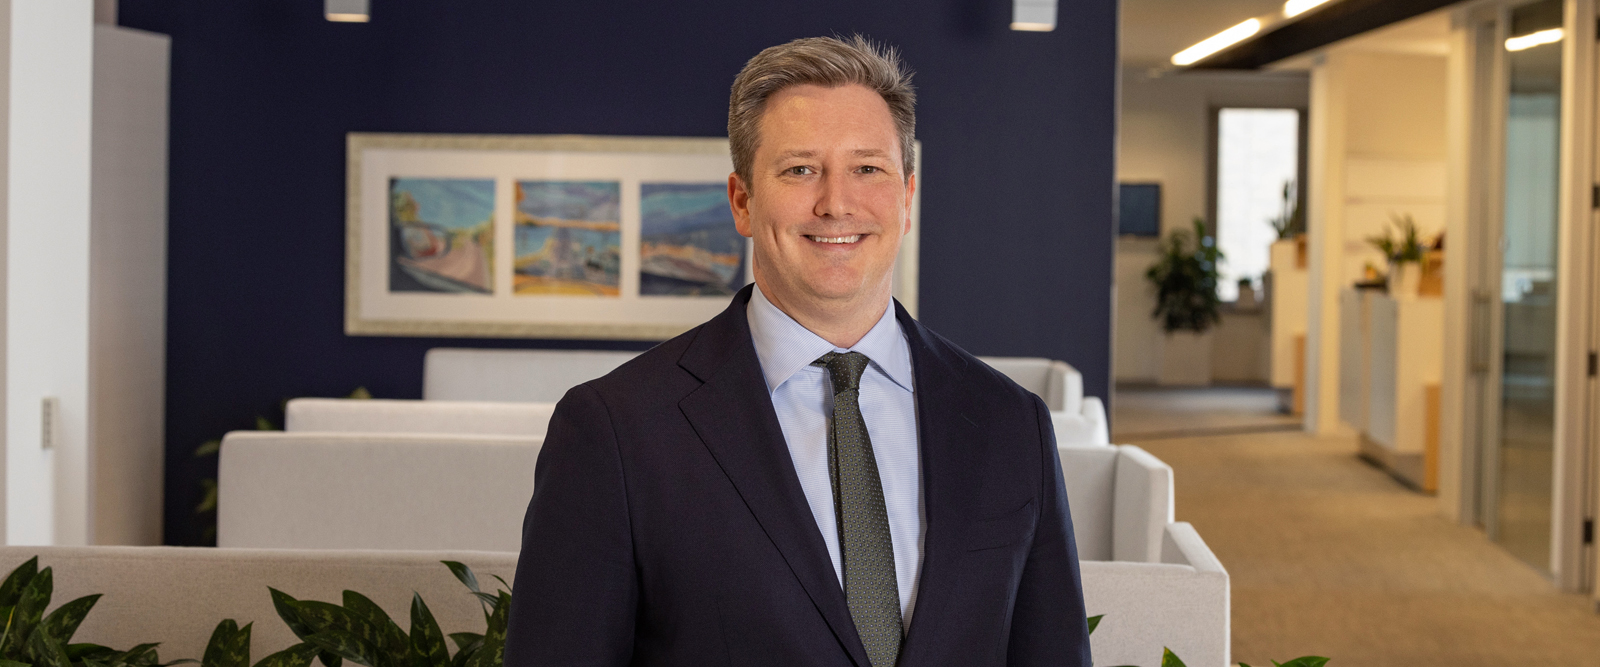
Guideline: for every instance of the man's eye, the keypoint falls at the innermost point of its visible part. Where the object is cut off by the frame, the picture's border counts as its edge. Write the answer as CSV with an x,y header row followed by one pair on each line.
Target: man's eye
x,y
869,169
799,171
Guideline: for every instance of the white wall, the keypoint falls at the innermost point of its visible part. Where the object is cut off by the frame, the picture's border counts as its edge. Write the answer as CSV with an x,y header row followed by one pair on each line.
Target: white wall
x,y
1165,137
47,267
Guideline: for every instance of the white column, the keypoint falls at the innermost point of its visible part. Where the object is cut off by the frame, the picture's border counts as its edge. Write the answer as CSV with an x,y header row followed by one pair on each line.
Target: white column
x,y
1325,244
46,273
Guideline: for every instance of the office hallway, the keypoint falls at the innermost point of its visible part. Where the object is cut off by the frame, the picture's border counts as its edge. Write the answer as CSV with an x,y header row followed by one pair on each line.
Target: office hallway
x,y
1330,556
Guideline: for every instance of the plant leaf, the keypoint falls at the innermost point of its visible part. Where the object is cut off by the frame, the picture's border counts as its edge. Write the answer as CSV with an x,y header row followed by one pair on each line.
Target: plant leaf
x,y
332,618
208,503
229,646
502,582
64,621
1306,661
96,652
1094,622
47,650
391,638
264,424
11,589
1170,659
360,393
463,573
208,448
465,639
13,663
142,654
493,653
428,648
284,604
299,655
26,616
348,646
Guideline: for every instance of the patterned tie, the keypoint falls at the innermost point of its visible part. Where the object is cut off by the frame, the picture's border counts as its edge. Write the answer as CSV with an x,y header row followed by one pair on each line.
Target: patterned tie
x,y
864,543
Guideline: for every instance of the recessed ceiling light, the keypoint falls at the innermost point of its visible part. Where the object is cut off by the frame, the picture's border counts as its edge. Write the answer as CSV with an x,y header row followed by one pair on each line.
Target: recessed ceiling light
x,y
1033,15
1217,42
1531,40
346,11
1294,8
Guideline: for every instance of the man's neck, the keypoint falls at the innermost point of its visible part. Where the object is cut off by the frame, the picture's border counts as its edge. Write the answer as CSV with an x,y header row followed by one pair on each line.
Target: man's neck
x,y
842,323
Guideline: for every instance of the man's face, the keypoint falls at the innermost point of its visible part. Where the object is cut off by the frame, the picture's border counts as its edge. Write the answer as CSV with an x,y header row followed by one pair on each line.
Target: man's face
x,y
829,200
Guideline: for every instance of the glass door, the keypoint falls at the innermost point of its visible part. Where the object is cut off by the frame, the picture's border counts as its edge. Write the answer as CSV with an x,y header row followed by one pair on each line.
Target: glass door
x,y
1519,392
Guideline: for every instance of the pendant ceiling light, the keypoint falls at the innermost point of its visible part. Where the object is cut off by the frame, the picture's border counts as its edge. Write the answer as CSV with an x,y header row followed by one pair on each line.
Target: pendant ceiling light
x,y
346,11
1033,15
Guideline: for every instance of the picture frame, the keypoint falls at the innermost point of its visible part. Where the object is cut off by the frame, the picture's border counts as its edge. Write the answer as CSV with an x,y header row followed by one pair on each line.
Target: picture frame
x,y
546,236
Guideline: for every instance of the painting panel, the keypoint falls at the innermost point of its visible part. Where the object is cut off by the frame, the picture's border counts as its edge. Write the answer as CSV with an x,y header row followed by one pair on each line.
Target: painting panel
x,y
688,244
569,238
441,235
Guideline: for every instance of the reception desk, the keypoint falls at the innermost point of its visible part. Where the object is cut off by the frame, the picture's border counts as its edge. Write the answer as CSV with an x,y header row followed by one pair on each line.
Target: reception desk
x,y
1391,359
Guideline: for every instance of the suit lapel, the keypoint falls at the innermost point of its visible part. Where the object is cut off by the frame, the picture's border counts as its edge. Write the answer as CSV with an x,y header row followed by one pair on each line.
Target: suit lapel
x,y
733,415
951,463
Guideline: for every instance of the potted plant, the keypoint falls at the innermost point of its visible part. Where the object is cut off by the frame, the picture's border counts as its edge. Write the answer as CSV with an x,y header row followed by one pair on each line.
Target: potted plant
x,y
1185,279
1403,253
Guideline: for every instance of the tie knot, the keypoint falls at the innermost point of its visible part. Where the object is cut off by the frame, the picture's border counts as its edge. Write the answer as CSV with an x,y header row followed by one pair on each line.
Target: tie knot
x,y
844,369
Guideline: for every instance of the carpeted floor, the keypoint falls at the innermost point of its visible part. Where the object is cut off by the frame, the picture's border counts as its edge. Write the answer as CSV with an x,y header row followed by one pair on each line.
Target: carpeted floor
x,y
1330,556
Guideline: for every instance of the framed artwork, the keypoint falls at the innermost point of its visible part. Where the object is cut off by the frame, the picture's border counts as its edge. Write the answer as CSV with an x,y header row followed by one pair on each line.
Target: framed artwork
x,y
546,236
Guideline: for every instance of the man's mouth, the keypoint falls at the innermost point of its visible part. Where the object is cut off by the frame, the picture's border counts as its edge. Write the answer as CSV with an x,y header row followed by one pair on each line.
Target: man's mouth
x,y
835,239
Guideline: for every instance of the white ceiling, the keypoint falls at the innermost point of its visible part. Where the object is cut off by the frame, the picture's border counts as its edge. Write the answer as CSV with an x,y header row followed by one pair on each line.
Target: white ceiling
x,y
1153,30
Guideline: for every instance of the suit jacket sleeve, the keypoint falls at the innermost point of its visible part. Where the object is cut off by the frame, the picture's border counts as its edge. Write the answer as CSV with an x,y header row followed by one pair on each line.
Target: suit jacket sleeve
x,y
576,589
1048,625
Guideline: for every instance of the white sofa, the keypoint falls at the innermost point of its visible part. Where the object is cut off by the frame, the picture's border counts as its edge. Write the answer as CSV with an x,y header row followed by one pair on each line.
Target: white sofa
x,y
544,376
1155,580
345,415
311,490
177,595
535,376
1180,602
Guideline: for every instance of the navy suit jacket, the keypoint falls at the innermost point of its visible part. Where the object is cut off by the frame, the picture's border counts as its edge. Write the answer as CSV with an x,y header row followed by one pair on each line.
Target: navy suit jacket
x,y
668,526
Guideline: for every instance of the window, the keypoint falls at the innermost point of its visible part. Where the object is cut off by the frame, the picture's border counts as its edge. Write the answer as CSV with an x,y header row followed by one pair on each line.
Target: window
x,y
1258,154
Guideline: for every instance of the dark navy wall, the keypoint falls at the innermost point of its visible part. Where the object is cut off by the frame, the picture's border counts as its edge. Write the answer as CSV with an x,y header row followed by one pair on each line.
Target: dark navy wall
x,y
1018,131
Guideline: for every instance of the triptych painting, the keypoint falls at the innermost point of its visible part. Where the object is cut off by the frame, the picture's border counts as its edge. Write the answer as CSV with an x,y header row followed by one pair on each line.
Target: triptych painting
x,y
565,236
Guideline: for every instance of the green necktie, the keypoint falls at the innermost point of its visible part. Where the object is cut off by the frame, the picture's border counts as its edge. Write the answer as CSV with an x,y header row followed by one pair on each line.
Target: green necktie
x,y
865,546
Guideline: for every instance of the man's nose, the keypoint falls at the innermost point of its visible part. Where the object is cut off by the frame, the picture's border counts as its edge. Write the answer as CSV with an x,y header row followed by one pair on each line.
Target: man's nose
x,y
833,198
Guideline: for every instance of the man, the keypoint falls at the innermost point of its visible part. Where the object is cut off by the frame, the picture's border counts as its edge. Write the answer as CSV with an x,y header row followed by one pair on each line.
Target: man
x,y
811,477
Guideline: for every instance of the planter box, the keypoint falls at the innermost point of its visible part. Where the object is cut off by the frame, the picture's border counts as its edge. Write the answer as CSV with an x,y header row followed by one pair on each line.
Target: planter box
x,y
1186,359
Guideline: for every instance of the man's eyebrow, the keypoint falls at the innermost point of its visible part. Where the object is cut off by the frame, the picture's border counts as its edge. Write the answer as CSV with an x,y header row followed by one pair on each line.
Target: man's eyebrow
x,y
797,153
869,152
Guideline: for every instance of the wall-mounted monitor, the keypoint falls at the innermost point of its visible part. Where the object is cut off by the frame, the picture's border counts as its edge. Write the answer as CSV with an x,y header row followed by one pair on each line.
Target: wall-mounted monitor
x,y
1139,209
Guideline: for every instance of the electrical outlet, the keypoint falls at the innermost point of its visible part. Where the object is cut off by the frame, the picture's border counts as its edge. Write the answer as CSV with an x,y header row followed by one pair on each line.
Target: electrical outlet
x,y
49,407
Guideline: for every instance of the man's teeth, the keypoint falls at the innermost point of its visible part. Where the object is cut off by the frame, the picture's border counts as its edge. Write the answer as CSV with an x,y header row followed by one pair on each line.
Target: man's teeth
x,y
835,239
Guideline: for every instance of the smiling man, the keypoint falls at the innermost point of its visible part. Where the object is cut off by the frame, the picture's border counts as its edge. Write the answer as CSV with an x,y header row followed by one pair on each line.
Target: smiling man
x,y
812,477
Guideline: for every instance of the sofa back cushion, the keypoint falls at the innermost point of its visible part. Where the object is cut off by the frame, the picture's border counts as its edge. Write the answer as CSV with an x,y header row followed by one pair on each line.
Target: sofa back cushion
x,y
284,490
534,376
344,415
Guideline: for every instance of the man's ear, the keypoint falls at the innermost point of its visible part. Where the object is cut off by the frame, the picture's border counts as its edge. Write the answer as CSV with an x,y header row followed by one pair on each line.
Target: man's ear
x,y
911,191
739,203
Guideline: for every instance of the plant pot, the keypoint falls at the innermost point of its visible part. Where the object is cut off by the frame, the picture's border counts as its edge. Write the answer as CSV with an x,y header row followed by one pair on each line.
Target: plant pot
x,y
1404,278
1185,359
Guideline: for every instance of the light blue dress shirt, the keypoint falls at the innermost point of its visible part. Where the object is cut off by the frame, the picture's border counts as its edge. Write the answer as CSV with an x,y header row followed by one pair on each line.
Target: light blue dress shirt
x,y
802,395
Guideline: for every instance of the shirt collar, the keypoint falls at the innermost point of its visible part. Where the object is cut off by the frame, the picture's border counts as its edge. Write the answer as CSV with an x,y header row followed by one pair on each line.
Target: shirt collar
x,y
784,346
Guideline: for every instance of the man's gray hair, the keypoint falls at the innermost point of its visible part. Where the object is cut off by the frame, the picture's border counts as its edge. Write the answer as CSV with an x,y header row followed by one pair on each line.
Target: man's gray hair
x,y
822,61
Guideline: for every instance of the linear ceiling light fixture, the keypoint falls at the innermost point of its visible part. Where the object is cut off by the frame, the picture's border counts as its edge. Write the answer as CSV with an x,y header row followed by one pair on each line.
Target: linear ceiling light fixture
x,y
1294,8
1532,39
1033,15
1217,42
347,11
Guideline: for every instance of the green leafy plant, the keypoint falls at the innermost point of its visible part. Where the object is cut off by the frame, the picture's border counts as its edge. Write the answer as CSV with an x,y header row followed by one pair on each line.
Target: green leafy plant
x,y
1407,247
206,511
359,631
1291,219
1186,281
29,637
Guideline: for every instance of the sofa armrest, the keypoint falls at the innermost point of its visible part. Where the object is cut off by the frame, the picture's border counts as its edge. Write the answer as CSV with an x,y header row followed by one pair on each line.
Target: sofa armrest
x,y
1143,506
1181,545
1094,411
1066,388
